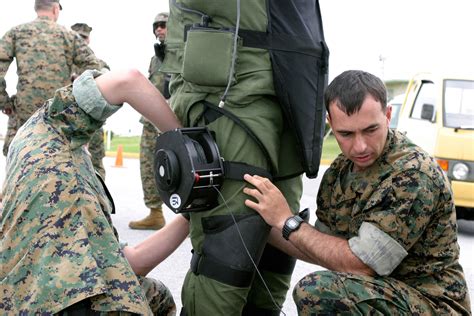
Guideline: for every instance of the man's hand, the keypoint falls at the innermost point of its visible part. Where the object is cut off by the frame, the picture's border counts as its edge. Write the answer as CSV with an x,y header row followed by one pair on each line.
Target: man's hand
x,y
74,76
9,108
7,111
271,204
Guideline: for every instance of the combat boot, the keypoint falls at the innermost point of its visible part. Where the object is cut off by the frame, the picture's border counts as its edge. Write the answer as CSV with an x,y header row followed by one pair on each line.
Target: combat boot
x,y
154,220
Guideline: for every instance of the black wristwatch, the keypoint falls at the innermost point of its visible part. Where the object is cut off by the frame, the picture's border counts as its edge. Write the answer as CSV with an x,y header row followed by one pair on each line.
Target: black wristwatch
x,y
291,224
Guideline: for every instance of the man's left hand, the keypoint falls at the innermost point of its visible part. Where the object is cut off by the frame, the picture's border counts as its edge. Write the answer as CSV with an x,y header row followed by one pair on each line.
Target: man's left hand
x,y
271,204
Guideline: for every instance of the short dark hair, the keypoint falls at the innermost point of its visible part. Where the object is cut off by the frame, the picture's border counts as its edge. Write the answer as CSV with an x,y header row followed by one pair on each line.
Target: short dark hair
x,y
350,89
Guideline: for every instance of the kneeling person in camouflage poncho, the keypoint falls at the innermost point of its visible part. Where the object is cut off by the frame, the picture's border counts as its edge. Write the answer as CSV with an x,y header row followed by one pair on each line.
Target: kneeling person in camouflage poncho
x,y
59,252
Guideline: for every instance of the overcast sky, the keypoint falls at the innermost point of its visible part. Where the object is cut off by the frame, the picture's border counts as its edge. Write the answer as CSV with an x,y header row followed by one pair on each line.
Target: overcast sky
x,y
393,39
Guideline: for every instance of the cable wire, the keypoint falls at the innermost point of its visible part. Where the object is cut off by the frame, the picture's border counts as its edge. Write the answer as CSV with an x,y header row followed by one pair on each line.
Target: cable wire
x,y
202,14
248,252
234,56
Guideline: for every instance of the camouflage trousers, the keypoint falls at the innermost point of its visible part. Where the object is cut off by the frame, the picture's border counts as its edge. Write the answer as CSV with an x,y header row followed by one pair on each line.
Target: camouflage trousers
x,y
151,196
158,295
97,149
11,132
334,293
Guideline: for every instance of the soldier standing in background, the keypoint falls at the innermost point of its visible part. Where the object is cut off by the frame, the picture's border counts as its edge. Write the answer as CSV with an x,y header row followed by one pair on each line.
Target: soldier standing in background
x,y
45,53
96,145
155,220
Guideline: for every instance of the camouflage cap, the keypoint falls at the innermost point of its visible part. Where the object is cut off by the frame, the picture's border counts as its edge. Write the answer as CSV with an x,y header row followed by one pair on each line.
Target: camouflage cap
x,y
161,17
82,28
43,3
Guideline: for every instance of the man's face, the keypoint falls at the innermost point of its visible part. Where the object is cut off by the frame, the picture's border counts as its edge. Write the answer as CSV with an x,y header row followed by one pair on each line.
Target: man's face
x,y
362,135
160,31
86,39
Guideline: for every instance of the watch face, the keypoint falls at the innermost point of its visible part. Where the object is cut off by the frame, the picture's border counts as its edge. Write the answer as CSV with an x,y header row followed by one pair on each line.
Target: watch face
x,y
292,223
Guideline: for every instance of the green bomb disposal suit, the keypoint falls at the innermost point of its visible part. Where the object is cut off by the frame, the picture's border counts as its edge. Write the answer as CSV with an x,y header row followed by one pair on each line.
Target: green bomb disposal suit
x,y
252,98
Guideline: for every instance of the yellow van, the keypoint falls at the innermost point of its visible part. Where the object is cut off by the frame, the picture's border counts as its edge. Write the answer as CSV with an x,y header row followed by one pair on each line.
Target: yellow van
x,y
438,115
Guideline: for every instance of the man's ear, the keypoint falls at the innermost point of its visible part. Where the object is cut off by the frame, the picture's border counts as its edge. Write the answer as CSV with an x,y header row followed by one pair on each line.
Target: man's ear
x,y
56,10
328,117
388,112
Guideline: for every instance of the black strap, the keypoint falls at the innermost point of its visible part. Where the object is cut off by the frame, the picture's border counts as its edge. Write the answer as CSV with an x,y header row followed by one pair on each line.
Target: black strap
x,y
109,196
275,260
236,170
281,42
252,310
215,270
216,112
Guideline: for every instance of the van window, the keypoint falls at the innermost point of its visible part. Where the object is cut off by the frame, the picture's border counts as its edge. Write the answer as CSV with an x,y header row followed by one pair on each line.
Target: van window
x,y
459,103
426,95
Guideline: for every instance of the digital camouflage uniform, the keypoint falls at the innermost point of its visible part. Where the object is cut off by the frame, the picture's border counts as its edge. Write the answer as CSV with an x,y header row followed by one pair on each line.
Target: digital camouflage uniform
x,y
252,99
45,53
58,246
147,143
400,220
96,145
11,127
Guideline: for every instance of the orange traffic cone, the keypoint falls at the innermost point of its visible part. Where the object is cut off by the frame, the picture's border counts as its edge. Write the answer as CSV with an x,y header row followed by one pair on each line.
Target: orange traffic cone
x,y
119,157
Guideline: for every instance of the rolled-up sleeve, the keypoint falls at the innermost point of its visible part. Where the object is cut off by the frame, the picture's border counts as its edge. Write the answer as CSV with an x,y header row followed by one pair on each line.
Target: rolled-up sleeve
x,y
90,99
377,249
396,217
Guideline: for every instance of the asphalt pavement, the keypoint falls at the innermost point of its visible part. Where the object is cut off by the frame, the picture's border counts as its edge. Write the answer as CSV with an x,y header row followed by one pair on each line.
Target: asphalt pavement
x,y
125,187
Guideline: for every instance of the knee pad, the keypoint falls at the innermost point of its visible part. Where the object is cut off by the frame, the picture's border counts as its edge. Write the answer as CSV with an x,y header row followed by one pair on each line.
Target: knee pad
x,y
275,260
224,256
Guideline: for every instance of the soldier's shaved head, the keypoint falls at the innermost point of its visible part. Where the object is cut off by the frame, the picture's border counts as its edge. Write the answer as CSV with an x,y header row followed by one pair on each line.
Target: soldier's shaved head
x,y
45,5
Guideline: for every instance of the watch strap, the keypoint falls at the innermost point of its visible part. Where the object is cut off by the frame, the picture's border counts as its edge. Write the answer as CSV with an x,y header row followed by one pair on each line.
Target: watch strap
x,y
287,229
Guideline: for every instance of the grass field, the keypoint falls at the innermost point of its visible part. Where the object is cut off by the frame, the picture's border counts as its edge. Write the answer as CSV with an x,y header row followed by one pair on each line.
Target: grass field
x,y
129,144
132,145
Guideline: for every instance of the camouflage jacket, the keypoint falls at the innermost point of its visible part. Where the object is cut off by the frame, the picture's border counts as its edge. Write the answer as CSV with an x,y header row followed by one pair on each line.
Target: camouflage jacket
x,y
57,242
399,218
45,53
155,76
103,67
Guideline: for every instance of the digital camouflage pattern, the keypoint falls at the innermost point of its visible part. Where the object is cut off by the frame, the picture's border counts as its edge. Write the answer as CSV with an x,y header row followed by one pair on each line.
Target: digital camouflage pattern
x,y
11,126
155,75
147,170
147,143
58,245
96,148
11,131
102,66
406,195
45,53
334,293
158,295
